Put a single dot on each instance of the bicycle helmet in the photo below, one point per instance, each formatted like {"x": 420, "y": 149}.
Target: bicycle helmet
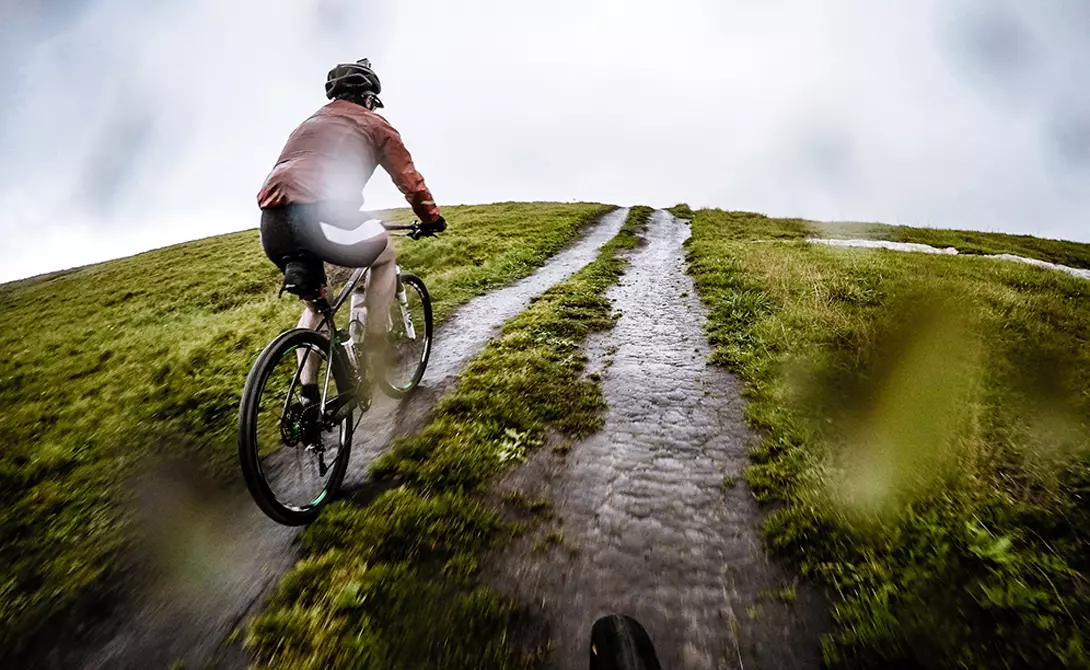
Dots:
{"x": 355, "y": 82}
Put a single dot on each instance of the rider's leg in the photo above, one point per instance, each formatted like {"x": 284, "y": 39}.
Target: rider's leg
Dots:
{"x": 328, "y": 233}
{"x": 278, "y": 239}
{"x": 379, "y": 292}
{"x": 379, "y": 298}
{"x": 308, "y": 376}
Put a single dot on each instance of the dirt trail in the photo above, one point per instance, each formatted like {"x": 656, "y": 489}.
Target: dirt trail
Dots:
{"x": 648, "y": 527}
{"x": 464, "y": 336}
{"x": 224, "y": 556}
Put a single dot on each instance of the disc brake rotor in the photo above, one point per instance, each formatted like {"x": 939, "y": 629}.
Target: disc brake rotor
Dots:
{"x": 291, "y": 427}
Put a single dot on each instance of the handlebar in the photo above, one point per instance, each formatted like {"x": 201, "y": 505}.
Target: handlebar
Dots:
{"x": 416, "y": 229}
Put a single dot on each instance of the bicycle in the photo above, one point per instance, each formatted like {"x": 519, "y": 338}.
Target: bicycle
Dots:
{"x": 276, "y": 432}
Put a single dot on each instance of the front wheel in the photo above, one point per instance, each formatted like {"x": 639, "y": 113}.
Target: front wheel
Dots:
{"x": 409, "y": 338}
{"x": 293, "y": 458}
{"x": 619, "y": 642}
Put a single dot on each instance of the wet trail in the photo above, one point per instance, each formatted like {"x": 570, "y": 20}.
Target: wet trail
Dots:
{"x": 462, "y": 338}
{"x": 648, "y": 527}
{"x": 224, "y": 556}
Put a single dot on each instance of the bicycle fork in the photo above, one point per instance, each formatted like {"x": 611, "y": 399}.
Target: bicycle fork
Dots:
{"x": 350, "y": 343}
{"x": 403, "y": 302}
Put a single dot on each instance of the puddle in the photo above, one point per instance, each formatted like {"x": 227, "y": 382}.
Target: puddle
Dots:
{"x": 927, "y": 249}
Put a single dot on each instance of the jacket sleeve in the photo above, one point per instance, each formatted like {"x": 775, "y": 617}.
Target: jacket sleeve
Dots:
{"x": 395, "y": 159}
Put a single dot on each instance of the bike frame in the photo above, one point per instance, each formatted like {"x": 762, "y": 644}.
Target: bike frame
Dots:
{"x": 329, "y": 311}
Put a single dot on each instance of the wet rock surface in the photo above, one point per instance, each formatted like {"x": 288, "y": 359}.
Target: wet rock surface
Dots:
{"x": 644, "y": 524}
{"x": 223, "y": 556}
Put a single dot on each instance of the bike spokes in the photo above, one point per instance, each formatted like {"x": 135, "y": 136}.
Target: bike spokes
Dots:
{"x": 296, "y": 441}
{"x": 408, "y": 339}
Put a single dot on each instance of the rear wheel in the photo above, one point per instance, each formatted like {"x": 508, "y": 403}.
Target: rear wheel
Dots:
{"x": 292, "y": 460}
{"x": 409, "y": 339}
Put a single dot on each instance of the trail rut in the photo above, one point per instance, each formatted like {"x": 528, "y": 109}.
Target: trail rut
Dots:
{"x": 648, "y": 527}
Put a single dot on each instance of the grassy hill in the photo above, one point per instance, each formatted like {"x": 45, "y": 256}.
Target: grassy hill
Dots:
{"x": 118, "y": 366}
{"x": 925, "y": 419}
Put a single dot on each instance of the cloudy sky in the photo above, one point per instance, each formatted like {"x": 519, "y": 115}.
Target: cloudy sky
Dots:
{"x": 127, "y": 125}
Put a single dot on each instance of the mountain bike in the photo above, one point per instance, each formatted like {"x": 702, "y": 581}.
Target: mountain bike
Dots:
{"x": 293, "y": 450}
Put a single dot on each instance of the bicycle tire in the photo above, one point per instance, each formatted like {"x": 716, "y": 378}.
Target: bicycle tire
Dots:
{"x": 413, "y": 283}
{"x": 619, "y": 642}
{"x": 250, "y": 459}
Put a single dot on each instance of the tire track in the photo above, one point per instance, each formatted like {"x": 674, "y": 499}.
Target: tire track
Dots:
{"x": 648, "y": 527}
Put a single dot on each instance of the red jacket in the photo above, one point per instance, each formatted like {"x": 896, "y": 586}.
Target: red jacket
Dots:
{"x": 331, "y": 155}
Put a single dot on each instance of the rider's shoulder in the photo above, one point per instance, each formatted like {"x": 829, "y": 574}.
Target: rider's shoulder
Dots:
{"x": 360, "y": 113}
{"x": 377, "y": 121}
{"x": 378, "y": 118}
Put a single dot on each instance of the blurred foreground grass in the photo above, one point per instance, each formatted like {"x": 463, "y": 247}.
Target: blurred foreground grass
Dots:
{"x": 115, "y": 366}
{"x": 925, "y": 418}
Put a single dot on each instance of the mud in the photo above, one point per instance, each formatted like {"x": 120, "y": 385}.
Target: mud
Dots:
{"x": 643, "y": 523}
{"x": 217, "y": 558}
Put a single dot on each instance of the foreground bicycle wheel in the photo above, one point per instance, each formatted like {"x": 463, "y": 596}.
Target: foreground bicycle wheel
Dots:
{"x": 619, "y": 642}
{"x": 409, "y": 339}
{"x": 291, "y": 463}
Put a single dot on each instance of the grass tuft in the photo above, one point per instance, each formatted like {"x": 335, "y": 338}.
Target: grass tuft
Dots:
{"x": 682, "y": 211}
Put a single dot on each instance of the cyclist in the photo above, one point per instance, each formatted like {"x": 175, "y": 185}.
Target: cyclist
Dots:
{"x": 310, "y": 205}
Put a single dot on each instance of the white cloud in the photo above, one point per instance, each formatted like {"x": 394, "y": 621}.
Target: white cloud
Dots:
{"x": 137, "y": 125}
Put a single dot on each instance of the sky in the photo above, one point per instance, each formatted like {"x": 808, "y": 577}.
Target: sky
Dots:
{"x": 127, "y": 125}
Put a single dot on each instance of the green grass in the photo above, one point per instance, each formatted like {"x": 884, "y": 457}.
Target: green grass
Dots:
{"x": 925, "y": 422}
{"x": 144, "y": 358}
{"x": 682, "y": 211}
{"x": 391, "y": 584}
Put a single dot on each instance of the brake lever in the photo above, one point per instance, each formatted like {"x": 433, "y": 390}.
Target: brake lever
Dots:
{"x": 417, "y": 232}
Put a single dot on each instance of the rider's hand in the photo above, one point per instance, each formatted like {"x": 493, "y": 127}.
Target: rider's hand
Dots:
{"x": 438, "y": 226}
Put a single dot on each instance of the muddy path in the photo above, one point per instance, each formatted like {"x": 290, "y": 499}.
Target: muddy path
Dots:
{"x": 462, "y": 338}
{"x": 643, "y": 523}
{"x": 216, "y": 558}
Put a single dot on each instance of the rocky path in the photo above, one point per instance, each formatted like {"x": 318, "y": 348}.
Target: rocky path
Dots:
{"x": 652, "y": 518}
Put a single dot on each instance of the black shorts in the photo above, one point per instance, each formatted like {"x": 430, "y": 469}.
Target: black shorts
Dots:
{"x": 309, "y": 234}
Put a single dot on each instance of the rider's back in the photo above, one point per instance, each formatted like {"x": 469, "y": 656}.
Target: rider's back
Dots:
{"x": 328, "y": 158}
